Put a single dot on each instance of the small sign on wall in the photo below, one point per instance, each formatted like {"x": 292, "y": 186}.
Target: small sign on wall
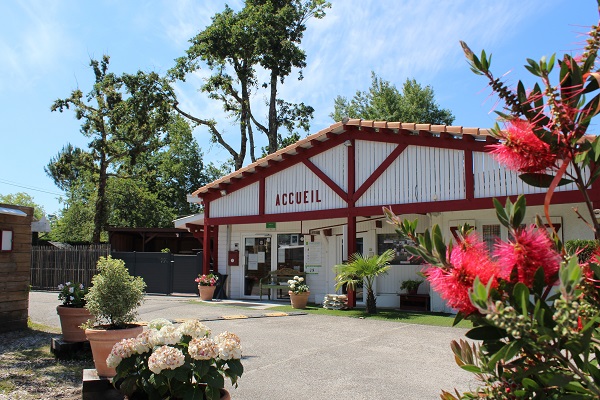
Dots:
{"x": 271, "y": 225}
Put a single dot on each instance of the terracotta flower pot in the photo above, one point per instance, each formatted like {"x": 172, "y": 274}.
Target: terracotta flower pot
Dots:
{"x": 102, "y": 342}
{"x": 206, "y": 292}
{"x": 299, "y": 300}
{"x": 70, "y": 320}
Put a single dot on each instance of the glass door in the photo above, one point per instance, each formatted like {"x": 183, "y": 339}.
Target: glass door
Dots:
{"x": 257, "y": 262}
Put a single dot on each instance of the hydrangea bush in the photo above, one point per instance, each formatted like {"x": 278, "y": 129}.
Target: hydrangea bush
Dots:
{"x": 168, "y": 361}
{"x": 72, "y": 294}
{"x": 535, "y": 307}
{"x": 297, "y": 285}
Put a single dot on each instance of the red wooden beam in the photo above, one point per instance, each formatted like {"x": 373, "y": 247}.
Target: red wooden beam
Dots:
{"x": 409, "y": 208}
{"x": 380, "y": 170}
{"x": 250, "y": 178}
{"x": 327, "y": 180}
{"x": 469, "y": 177}
{"x": 206, "y": 240}
{"x": 261, "y": 196}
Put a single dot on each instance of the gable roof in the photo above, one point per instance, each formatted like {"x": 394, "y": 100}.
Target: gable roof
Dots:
{"x": 456, "y": 132}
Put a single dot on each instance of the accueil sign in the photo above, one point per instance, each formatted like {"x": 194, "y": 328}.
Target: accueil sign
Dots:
{"x": 303, "y": 197}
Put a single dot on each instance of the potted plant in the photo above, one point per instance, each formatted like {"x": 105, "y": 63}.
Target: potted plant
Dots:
{"x": 71, "y": 313}
{"x": 362, "y": 268}
{"x": 411, "y": 285}
{"x": 298, "y": 291}
{"x": 206, "y": 286}
{"x": 112, "y": 300}
{"x": 181, "y": 362}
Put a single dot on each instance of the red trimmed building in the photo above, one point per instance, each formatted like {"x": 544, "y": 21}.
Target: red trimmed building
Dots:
{"x": 311, "y": 204}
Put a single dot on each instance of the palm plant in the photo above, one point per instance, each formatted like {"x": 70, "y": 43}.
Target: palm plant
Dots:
{"x": 362, "y": 268}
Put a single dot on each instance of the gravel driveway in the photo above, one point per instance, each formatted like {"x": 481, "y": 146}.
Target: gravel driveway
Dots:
{"x": 316, "y": 357}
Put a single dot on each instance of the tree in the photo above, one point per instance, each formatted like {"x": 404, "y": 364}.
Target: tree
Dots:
{"x": 25, "y": 200}
{"x": 363, "y": 268}
{"x": 124, "y": 117}
{"x": 384, "y": 102}
{"x": 264, "y": 34}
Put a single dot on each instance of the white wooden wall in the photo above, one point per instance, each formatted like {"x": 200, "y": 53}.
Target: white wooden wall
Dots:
{"x": 299, "y": 178}
{"x": 492, "y": 179}
{"x": 239, "y": 203}
{"x": 419, "y": 174}
{"x": 334, "y": 163}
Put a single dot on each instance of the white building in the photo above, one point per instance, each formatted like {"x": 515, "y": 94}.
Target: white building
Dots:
{"x": 312, "y": 204}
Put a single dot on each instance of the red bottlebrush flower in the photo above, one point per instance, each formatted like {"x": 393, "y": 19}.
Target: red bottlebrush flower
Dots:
{"x": 521, "y": 150}
{"x": 529, "y": 250}
{"x": 469, "y": 260}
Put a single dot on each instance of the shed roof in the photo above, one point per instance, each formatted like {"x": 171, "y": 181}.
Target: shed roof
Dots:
{"x": 12, "y": 211}
{"x": 455, "y": 132}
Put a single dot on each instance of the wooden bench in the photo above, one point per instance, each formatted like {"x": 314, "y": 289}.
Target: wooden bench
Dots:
{"x": 278, "y": 280}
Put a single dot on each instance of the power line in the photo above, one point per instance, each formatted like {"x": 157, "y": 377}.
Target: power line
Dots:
{"x": 29, "y": 187}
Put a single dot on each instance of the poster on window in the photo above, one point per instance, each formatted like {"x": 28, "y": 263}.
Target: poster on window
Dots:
{"x": 394, "y": 242}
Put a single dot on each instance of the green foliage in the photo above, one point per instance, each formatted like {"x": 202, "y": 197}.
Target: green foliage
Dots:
{"x": 124, "y": 116}
{"x": 25, "y": 200}
{"x": 364, "y": 268}
{"x": 558, "y": 114}
{"x": 114, "y": 295}
{"x": 411, "y": 285}
{"x": 263, "y": 35}
{"x": 583, "y": 248}
{"x": 384, "y": 102}
{"x": 530, "y": 342}
{"x": 72, "y": 294}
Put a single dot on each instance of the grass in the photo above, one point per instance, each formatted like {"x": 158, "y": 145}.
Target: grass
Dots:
{"x": 384, "y": 314}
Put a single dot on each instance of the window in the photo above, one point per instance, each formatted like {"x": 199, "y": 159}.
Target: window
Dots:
{"x": 491, "y": 233}
{"x": 387, "y": 241}
{"x": 6, "y": 240}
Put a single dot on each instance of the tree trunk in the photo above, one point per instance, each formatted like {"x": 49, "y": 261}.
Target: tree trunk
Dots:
{"x": 273, "y": 126}
{"x": 100, "y": 211}
{"x": 371, "y": 302}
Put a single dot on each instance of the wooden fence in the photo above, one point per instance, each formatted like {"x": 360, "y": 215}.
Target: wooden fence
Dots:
{"x": 51, "y": 266}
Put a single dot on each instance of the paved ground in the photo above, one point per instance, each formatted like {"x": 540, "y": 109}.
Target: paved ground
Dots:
{"x": 315, "y": 357}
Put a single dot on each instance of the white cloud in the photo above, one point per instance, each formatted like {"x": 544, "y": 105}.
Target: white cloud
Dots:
{"x": 183, "y": 19}
{"x": 32, "y": 42}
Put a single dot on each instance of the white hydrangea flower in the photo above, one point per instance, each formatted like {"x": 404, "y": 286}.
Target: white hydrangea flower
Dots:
{"x": 143, "y": 342}
{"x": 296, "y": 278}
{"x": 61, "y": 286}
{"x": 123, "y": 349}
{"x": 203, "y": 349}
{"x": 159, "y": 323}
{"x": 301, "y": 279}
{"x": 229, "y": 346}
{"x": 168, "y": 334}
{"x": 194, "y": 328}
{"x": 68, "y": 284}
{"x": 165, "y": 357}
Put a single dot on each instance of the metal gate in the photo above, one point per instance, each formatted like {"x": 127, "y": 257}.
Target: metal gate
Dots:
{"x": 164, "y": 273}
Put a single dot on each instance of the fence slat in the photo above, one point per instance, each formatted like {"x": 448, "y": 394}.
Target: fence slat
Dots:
{"x": 51, "y": 266}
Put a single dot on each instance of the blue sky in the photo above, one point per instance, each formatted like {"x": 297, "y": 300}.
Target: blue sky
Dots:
{"x": 46, "y": 45}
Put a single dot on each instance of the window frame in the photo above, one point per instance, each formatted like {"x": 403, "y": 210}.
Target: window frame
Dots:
{"x": 3, "y": 239}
